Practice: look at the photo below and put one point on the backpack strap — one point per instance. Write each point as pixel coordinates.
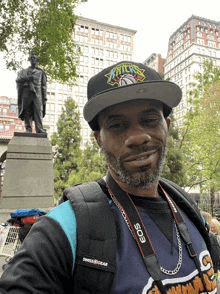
(188, 205)
(95, 265)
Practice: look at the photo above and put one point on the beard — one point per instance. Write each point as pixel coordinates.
(139, 178)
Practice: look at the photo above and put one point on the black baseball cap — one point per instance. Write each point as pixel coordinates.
(126, 81)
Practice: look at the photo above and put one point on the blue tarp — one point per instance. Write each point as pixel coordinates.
(27, 212)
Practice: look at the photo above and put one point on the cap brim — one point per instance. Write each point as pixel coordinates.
(164, 91)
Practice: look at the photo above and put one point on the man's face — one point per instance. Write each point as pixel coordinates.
(133, 138)
(33, 59)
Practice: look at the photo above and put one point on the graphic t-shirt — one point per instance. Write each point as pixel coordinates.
(131, 274)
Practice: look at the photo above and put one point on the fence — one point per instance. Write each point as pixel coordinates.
(212, 208)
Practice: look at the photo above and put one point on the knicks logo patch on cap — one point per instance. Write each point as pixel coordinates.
(125, 74)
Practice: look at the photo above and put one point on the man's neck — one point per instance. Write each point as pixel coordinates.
(150, 191)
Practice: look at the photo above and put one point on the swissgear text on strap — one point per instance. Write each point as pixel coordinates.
(96, 239)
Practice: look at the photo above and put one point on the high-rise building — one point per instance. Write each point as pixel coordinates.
(156, 62)
(102, 45)
(196, 40)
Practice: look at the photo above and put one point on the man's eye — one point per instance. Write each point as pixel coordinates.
(116, 126)
(152, 120)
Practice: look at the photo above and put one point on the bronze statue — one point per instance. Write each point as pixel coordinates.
(32, 95)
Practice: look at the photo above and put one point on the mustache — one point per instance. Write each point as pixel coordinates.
(139, 150)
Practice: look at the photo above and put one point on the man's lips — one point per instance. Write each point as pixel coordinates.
(140, 156)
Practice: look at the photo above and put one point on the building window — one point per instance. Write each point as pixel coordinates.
(4, 111)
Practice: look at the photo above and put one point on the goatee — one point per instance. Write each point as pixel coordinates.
(144, 177)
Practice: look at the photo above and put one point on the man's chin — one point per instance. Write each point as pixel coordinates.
(139, 179)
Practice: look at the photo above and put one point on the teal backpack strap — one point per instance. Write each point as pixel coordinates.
(95, 265)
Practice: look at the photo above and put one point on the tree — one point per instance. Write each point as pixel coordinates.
(174, 169)
(92, 165)
(66, 146)
(44, 27)
(201, 142)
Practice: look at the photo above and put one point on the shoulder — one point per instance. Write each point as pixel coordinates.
(43, 72)
(65, 216)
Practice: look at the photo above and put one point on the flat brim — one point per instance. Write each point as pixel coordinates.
(164, 91)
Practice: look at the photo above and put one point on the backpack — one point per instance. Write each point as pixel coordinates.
(95, 264)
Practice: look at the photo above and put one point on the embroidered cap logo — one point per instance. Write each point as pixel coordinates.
(124, 74)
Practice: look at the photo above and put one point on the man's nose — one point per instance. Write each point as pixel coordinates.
(137, 137)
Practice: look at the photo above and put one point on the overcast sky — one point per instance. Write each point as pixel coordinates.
(154, 21)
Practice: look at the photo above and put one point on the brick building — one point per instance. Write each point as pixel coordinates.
(9, 121)
(156, 62)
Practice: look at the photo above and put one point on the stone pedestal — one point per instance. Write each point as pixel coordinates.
(28, 180)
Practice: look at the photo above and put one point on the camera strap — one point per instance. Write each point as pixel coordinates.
(135, 224)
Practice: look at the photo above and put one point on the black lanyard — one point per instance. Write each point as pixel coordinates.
(137, 228)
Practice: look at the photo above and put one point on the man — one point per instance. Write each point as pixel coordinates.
(125, 234)
(32, 95)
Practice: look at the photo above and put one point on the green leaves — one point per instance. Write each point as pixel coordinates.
(92, 165)
(201, 130)
(45, 27)
(174, 169)
(66, 146)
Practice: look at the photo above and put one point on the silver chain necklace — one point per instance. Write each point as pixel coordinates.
(167, 272)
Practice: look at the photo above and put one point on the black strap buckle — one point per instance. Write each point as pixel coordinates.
(191, 250)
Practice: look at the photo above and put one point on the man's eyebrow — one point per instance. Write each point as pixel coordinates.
(114, 117)
(149, 111)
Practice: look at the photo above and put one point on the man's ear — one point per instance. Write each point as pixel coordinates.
(97, 137)
(168, 123)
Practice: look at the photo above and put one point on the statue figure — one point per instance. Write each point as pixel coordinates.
(32, 95)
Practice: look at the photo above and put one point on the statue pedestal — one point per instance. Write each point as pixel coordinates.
(28, 180)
